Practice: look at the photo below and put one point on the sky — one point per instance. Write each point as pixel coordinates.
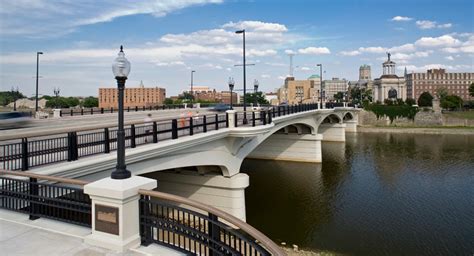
(165, 40)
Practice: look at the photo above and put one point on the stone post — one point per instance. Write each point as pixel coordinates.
(231, 115)
(56, 113)
(115, 212)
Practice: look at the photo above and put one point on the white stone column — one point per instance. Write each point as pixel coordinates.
(333, 132)
(231, 114)
(115, 212)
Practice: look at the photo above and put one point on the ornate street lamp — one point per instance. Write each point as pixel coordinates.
(15, 96)
(37, 74)
(255, 88)
(121, 69)
(56, 93)
(231, 88)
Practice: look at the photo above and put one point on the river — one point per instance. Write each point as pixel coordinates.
(375, 194)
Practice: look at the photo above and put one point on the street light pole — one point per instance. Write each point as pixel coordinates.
(37, 73)
(121, 69)
(15, 96)
(56, 93)
(245, 77)
(231, 88)
(192, 94)
(320, 84)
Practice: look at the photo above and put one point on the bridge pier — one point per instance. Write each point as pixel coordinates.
(290, 147)
(351, 126)
(333, 132)
(224, 193)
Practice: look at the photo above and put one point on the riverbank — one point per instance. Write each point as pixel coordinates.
(416, 130)
(291, 252)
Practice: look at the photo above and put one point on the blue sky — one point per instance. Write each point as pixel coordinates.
(166, 39)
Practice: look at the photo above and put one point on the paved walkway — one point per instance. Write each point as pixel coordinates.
(21, 236)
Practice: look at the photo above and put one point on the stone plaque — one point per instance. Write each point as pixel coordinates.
(107, 219)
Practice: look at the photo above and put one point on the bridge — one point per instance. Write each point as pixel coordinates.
(197, 157)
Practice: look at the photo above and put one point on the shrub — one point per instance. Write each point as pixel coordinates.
(425, 100)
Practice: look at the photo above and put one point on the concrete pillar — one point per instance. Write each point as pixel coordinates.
(333, 132)
(115, 212)
(231, 114)
(351, 126)
(224, 193)
(56, 113)
(290, 147)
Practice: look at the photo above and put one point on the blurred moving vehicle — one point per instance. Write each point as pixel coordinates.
(221, 107)
(10, 120)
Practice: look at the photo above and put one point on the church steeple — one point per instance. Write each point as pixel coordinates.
(388, 66)
(406, 73)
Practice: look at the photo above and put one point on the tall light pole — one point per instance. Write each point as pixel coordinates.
(255, 87)
(121, 69)
(56, 93)
(320, 84)
(192, 94)
(37, 74)
(231, 88)
(15, 96)
(245, 77)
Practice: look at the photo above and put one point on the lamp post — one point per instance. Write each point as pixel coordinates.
(121, 69)
(231, 88)
(320, 84)
(15, 96)
(255, 87)
(245, 77)
(37, 73)
(192, 94)
(56, 93)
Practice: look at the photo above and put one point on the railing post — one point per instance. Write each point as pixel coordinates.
(214, 233)
(92, 111)
(264, 117)
(82, 111)
(33, 196)
(60, 112)
(101, 110)
(111, 109)
(144, 108)
(270, 117)
(279, 110)
(217, 122)
(191, 126)
(72, 112)
(136, 108)
(145, 229)
(128, 109)
(253, 118)
(72, 153)
(24, 154)
(155, 132)
(174, 129)
(204, 123)
(106, 141)
(273, 111)
(132, 136)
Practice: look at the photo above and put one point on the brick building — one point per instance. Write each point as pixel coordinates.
(205, 93)
(435, 79)
(133, 97)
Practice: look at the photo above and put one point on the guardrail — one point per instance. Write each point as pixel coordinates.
(42, 199)
(192, 227)
(38, 151)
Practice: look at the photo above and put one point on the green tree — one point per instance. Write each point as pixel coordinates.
(410, 101)
(59, 102)
(452, 102)
(250, 98)
(90, 102)
(72, 101)
(168, 101)
(471, 90)
(186, 96)
(6, 97)
(339, 96)
(425, 100)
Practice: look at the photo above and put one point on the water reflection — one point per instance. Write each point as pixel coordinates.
(377, 194)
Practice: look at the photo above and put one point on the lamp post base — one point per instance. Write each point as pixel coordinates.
(120, 174)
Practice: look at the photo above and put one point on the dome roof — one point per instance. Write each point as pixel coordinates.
(313, 77)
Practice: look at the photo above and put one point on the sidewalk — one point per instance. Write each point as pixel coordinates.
(21, 236)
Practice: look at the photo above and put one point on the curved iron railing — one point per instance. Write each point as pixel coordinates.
(196, 228)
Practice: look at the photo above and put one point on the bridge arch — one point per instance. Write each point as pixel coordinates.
(348, 116)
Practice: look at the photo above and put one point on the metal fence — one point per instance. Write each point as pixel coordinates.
(38, 151)
(198, 229)
(39, 197)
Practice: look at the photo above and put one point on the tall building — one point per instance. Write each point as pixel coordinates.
(365, 73)
(436, 79)
(389, 85)
(299, 91)
(133, 97)
(333, 86)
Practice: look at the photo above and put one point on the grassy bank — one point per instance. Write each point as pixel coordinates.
(292, 252)
(462, 114)
(461, 130)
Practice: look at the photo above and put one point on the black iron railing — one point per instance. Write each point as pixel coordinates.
(198, 229)
(38, 151)
(39, 197)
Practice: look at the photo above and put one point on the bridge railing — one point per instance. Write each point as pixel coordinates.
(37, 151)
(199, 229)
(37, 196)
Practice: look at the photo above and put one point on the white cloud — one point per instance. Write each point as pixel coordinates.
(377, 49)
(290, 52)
(442, 41)
(256, 26)
(265, 76)
(403, 56)
(449, 57)
(44, 18)
(401, 18)
(305, 68)
(260, 53)
(350, 53)
(428, 24)
(314, 50)
(403, 48)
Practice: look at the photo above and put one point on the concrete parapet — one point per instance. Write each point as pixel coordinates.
(290, 147)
